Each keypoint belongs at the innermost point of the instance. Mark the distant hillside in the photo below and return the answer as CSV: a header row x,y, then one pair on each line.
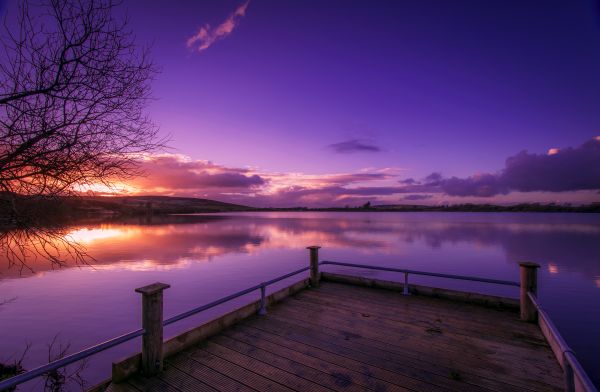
x,y
62,209
135,205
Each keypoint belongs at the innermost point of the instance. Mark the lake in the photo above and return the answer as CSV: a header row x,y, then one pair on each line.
x,y
205,257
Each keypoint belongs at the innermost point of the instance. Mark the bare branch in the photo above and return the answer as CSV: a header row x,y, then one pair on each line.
x,y
73,92
57,380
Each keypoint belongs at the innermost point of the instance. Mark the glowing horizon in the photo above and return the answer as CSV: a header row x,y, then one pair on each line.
x,y
392,103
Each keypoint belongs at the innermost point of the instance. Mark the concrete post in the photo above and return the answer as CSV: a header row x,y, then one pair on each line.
x,y
528,273
314,265
152,319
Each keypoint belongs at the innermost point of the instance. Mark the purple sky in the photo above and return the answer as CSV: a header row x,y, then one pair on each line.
x,y
338,102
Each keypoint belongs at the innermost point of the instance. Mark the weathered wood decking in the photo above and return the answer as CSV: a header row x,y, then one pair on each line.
x,y
341,337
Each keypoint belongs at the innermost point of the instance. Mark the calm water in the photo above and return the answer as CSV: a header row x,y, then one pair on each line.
x,y
205,257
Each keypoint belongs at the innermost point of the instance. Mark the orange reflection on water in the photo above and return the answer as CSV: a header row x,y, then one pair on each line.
x,y
87,235
172,242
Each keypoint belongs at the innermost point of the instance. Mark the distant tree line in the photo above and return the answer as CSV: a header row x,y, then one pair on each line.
x,y
467,207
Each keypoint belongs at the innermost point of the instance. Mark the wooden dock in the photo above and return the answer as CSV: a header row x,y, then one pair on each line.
x,y
343,337
338,332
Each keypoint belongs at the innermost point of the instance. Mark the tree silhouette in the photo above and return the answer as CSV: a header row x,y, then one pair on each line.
x,y
73,89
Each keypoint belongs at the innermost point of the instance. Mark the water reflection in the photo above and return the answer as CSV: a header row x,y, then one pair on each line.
x,y
205,257
560,242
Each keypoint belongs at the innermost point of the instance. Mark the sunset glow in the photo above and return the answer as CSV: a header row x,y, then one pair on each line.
x,y
262,111
373,177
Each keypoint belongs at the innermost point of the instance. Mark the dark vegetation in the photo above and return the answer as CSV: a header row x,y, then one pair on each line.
x,y
53,381
68,209
73,90
13,367
74,87
523,207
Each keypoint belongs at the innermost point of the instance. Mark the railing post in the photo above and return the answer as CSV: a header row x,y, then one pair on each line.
x,y
152,320
263,300
528,273
405,288
314,265
569,376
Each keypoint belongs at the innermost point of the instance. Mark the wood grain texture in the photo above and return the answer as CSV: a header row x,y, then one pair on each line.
x,y
340,337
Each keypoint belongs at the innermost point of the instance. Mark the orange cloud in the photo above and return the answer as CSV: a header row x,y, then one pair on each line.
x,y
177,174
206,36
569,175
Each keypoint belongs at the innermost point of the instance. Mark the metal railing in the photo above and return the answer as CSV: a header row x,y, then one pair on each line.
x,y
78,356
406,272
571,366
69,359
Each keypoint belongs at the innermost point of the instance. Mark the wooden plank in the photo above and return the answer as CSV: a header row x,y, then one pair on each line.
x,y
204,376
394,300
413,367
151,385
195,335
339,382
364,368
457,331
511,373
330,367
350,338
112,387
414,316
346,314
474,350
127,367
238,373
184,381
468,297
267,370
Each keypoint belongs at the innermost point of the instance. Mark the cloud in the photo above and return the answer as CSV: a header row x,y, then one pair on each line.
x,y
433,179
206,36
481,185
560,170
568,169
417,197
175,174
525,177
354,145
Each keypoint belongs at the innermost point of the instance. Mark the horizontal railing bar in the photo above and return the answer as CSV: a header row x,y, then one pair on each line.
x,y
448,276
21,378
269,282
220,301
564,347
582,376
202,308
69,359
542,314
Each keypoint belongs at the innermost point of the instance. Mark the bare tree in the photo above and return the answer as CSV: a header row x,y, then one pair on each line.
x,y
58,380
22,246
13,367
73,89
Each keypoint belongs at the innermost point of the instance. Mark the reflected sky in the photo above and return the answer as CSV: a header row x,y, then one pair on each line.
x,y
560,242
205,257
